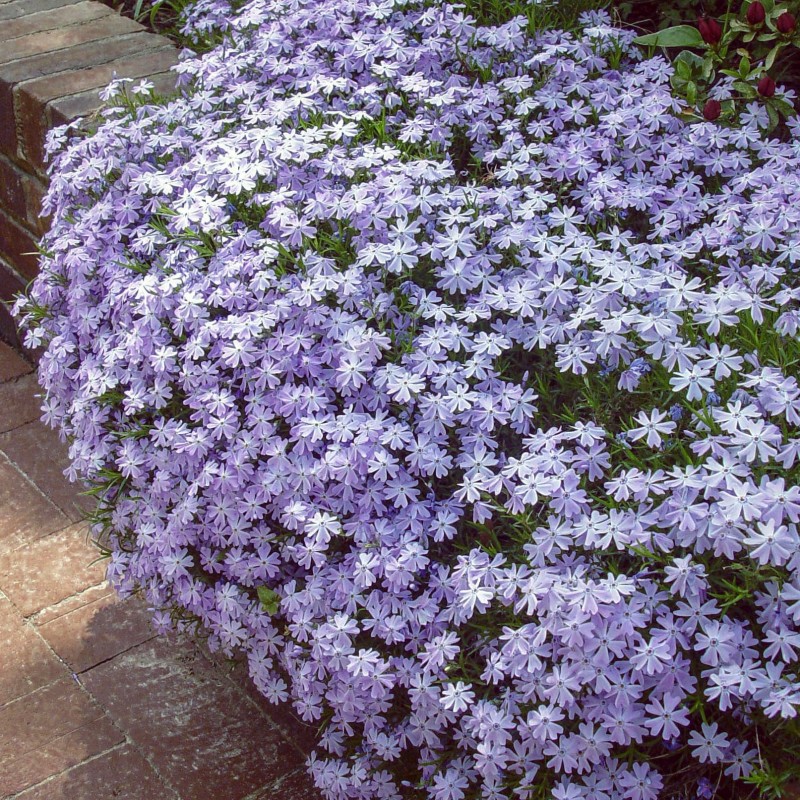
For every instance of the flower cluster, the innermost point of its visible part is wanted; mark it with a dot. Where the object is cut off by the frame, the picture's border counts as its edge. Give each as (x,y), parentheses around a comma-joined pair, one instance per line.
(447,372)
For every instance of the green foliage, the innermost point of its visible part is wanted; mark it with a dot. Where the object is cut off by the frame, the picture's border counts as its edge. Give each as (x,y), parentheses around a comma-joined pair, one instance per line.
(677,36)
(744,52)
(541,15)
(270,600)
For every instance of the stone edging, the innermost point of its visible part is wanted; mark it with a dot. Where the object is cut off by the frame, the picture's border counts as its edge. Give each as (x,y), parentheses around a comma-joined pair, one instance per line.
(55,57)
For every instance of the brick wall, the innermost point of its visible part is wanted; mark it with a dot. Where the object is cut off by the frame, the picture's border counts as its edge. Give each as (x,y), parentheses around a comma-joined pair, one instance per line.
(55,56)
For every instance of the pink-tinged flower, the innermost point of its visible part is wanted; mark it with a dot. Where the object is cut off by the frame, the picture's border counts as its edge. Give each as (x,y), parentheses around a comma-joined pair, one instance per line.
(710,30)
(786,23)
(755,13)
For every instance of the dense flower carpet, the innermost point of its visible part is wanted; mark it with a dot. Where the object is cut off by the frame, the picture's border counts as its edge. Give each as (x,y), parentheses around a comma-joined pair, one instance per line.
(449,372)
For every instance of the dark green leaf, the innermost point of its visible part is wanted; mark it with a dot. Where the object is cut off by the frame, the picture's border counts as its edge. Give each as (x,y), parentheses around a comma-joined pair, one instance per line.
(270,601)
(677,36)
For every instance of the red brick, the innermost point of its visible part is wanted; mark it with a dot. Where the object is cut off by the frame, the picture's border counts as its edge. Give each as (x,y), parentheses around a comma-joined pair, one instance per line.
(18,245)
(98,631)
(20,402)
(20,8)
(46,571)
(21,195)
(62,38)
(72,603)
(28,662)
(42,456)
(195,728)
(25,513)
(48,731)
(12,365)
(51,63)
(298,732)
(11,284)
(121,774)
(295,785)
(85,11)
(86,103)
(32,96)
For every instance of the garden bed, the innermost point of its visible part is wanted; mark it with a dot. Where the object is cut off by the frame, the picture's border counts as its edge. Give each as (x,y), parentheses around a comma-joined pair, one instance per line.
(448,371)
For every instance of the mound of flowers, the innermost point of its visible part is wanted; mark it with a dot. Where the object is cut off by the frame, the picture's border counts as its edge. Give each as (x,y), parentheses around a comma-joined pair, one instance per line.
(449,374)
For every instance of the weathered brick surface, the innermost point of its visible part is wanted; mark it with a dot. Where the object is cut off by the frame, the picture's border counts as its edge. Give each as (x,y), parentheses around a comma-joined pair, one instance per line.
(12,9)
(53,19)
(47,731)
(60,39)
(98,631)
(66,61)
(28,662)
(20,402)
(85,104)
(33,96)
(121,774)
(18,245)
(25,513)
(11,283)
(21,195)
(293,786)
(42,456)
(196,729)
(12,365)
(51,569)
(55,58)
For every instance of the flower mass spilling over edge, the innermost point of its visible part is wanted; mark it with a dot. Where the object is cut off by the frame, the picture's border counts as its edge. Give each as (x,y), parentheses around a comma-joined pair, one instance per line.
(448,373)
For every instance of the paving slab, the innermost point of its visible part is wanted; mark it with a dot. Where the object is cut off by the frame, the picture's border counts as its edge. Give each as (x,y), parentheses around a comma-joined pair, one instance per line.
(302,734)
(35,44)
(39,453)
(47,571)
(28,663)
(48,731)
(21,8)
(121,774)
(295,785)
(25,513)
(98,631)
(53,18)
(197,730)
(72,603)
(20,402)
(12,365)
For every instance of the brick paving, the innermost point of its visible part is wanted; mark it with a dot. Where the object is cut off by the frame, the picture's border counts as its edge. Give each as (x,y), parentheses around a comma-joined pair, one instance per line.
(92,703)
(55,57)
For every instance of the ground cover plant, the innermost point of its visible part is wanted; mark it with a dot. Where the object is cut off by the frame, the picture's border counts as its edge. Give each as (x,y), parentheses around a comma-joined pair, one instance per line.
(448,372)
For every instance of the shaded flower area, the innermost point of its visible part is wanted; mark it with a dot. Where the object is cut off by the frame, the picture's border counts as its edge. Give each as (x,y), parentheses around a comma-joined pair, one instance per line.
(449,373)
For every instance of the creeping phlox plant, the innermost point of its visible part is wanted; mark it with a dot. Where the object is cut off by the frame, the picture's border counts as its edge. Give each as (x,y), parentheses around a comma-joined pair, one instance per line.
(449,374)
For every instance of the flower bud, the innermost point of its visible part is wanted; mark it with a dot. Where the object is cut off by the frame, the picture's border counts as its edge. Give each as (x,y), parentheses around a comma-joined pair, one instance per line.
(712,109)
(766,86)
(785,23)
(755,13)
(710,30)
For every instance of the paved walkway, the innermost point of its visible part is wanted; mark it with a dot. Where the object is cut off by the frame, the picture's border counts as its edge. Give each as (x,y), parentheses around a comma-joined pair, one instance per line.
(92,705)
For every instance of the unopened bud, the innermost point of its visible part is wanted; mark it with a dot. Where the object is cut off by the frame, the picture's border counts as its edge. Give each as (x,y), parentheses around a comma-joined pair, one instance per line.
(755,13)
(766,86)
(710,30)
(785,23)
(712,109)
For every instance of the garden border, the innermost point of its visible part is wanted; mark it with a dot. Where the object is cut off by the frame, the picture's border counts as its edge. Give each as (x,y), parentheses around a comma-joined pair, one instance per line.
(55,58)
